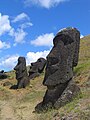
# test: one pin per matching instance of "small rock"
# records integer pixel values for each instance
(7, 83)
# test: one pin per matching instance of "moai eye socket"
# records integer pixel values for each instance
(39, 60)
(66, 39)
(52, 60)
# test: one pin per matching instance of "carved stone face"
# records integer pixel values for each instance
(20, 68)
(60, 60)
(38, 66)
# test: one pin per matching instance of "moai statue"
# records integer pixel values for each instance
(3, 75)
(59, 70)
(2, 71)
(21, 73)
(37, 68)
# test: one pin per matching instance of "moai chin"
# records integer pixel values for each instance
(21, 73)
(59, 70)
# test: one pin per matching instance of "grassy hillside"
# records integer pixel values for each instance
(19, 104)
(83, 69)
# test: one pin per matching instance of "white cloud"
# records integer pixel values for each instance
(81, 36)
(9, 62)
(43, 40)
(19, 35)
(4, 45)
(43, 3)
(4, 24)
(11, 32)
(20, 17)
(25, 25)
(32, 56)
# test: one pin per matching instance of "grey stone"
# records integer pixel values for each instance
(59, 70)
(21, 74)
(3, 75)
(37, 68)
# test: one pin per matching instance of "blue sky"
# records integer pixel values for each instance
(27, 27)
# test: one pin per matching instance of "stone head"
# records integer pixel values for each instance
(38, 66)
(20, 67)
(63, 57)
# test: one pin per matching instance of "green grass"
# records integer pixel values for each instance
(33, 96)
(4, 94)
(82, 67)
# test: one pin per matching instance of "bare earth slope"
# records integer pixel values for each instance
(19, 104)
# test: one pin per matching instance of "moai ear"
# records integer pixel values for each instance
(24, 64)
(42, 63)
(76, 53)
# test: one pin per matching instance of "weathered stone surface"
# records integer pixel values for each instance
(3, 75)
(36, 68)
(59, 70)
(68, 94)
(21, 73)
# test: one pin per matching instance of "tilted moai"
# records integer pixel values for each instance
(37, 68)
(61, 60)
(21, 73)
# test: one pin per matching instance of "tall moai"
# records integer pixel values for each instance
(61, 60)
